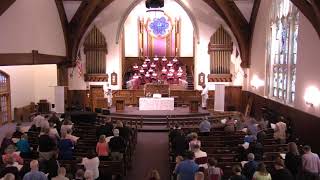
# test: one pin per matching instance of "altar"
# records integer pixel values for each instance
(164, 103)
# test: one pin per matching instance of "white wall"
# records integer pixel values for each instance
(31, 83)
(32, 25)
(208, 22)
(307, 61)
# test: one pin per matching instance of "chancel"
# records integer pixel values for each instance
(159, 89)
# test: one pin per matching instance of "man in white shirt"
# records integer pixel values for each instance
(204, 95)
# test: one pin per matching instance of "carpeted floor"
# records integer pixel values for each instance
(151, 152)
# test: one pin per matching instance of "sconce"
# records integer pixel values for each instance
(312, 96)
(256, 82)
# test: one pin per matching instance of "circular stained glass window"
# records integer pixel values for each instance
(159, 27)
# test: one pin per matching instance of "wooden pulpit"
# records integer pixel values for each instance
(120, 103)
(193, 104)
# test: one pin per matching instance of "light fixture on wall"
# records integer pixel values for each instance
(312, 96)
(256, 82)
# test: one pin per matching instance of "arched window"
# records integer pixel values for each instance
(5, 110)
(283, 51)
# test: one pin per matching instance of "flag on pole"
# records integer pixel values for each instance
(79, 65)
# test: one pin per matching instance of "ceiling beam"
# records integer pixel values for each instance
(239, 27)
(33, 58)
(5, 4)
(64, 23)
(254, 14)
(89, 13)
(311, 12)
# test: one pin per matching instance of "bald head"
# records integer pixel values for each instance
(34, 165)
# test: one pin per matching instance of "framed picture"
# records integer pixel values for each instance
(201, 79)
(114, 78)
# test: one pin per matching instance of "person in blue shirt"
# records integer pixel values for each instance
(250, 167)
(205, 127)
(24, 147)
(187, 169)
(65, 148)
(35, 174)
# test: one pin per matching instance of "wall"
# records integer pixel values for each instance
(32, 25)
(109, 20)
(307, 61)
(31, 83)
(173, 10)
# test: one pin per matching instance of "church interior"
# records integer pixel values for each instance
(159, 89)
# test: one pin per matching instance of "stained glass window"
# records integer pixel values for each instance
(159, 27)
(283, 50)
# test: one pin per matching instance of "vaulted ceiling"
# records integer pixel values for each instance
(240, 15)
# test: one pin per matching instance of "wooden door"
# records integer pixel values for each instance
(97, 97)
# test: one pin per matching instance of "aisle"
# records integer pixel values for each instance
(151, 152)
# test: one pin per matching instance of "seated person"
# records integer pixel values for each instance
(24, 147)
(65, 148)
(102, 148)
(117, 146)
(201, 157)
(205, 127)
(105, 129)
(10, 168)
(18, 133)
(7, 140)
(91, 163)
(79, 175)
(10, 152)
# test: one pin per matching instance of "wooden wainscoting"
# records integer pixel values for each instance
(305, 125)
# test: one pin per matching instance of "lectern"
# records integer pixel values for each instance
(193, 104)
(120, 103)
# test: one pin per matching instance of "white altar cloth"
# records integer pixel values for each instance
(156, 104)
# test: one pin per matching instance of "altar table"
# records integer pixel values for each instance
(164, 103)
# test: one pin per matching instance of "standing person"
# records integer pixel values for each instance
(102, 148)
(46, 145)
(61, 174)
(214, 172)
(24, 147)
(236, 170)
(187, 169)
(204, 95)
(91, 164)
(293, 159)
(65, 148)
(117, 146)
(250, 167)
(280, 172)
(35, 174)
(280, 131)
(310, 164)
(205, 127)
(261, 173)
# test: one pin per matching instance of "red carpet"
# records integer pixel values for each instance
(151, 152)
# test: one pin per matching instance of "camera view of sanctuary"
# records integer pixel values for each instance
(159, 89)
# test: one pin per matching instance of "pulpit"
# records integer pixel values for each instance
(210, 104)
(120, 103)
(193, 104)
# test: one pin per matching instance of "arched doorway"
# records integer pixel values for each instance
(5, 100)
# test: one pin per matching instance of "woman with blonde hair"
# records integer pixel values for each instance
(102, 148)
(154, 175)
(261, 173)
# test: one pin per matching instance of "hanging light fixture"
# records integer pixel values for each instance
(175, 59)
(164, 59)
(147, 59)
